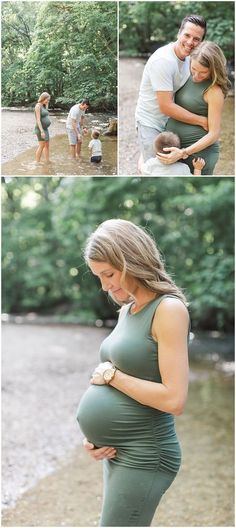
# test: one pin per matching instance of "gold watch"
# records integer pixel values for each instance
(109, 374)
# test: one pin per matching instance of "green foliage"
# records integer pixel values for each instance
(46, 222)
(145, 26)
(70, 51)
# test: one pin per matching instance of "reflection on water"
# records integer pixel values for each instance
(61, 163)
(206, 429)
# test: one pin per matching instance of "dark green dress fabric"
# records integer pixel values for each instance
(45, 122)
(148, 451)
(190, 97)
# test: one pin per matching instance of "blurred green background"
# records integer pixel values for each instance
(145, 26)
(46, 222)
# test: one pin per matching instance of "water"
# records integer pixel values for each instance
(204, 493)
(61, 163)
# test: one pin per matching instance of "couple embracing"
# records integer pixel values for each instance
(182, 91)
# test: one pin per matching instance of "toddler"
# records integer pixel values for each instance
(155, 167)
(95, 147)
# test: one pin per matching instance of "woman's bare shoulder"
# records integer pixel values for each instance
(171, 316)
(171, 305)
(215, 92)
(171, 310)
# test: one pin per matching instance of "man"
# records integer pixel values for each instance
(74, 126)
(165, 72)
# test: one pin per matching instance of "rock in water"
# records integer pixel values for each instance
(112, 128)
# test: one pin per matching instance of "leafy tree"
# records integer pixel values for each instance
(71, 53)
(18, 20)
(145, 26)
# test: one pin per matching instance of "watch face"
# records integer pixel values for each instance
(107, 374)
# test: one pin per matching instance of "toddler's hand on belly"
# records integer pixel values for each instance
(99, 453)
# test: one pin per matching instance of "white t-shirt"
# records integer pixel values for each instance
(163, 72)
(154, 167)
(74, 113)
(96, 147)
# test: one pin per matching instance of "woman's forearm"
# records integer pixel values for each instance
(202, 143)
(149, 393)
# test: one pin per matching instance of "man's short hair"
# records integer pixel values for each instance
(165, 140)
(85, 101)
(198, 20)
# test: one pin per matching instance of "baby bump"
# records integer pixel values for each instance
(109, 417)
(143, 436)
(45, 121)
(188, 134)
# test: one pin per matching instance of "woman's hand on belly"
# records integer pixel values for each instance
(98, 374)
(99, 453)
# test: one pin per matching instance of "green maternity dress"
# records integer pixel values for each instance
(148, 452)
(190, 97)
(45, 122)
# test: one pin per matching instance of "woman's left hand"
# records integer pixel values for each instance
(174, 155)
(97, 376)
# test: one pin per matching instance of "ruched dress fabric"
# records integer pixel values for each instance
(45, 122)
(148, 452)
(190, 97)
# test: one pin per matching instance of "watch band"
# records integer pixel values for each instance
(185, 154)
(113, 369)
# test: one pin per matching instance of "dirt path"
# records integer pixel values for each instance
(130, 73)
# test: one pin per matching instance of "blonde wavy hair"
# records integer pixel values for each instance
(43, 96)
(209, 55)
(131, 250)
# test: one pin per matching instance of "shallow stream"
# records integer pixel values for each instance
(21, 133)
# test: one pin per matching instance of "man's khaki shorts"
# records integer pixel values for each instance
(146, 138)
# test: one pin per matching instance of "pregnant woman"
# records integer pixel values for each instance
(203, 94)
(42, 124)
(127, 414)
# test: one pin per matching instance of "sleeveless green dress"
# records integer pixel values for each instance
(190, 97)
(148, 452)
(45, 122)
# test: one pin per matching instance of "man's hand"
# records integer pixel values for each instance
(203, 122)
(99, 453)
